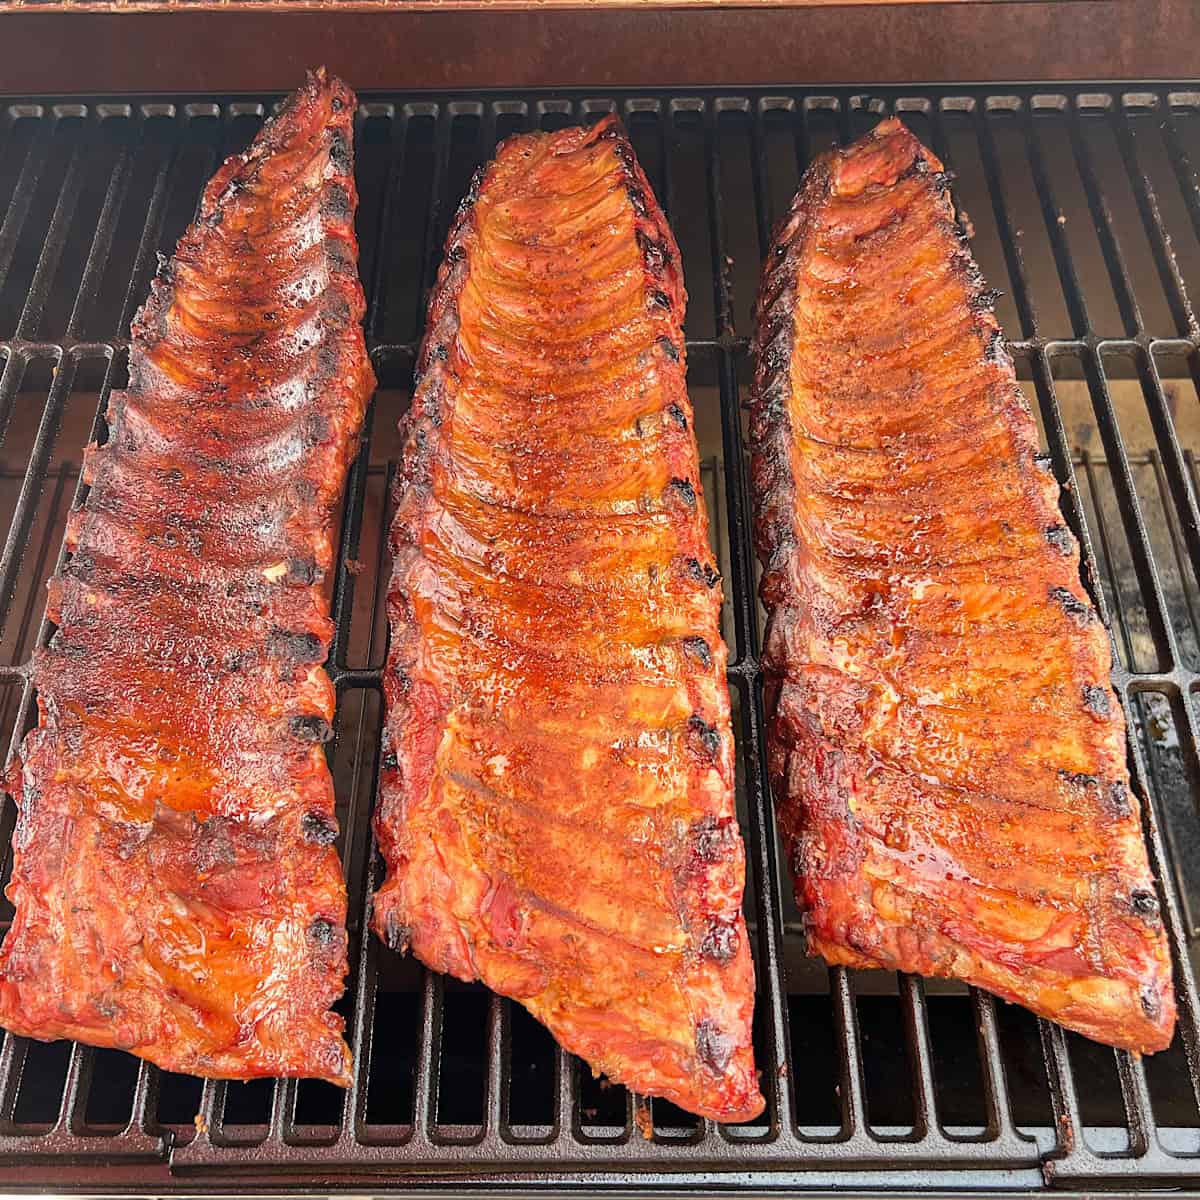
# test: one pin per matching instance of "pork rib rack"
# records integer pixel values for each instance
(177, 890)
(556, 806)
(945, 748)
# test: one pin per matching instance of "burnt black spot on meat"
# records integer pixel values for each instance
(685, 491)
(335, 202)
(703, 573)
(984, 300)
(706, 736)
(403, 680)
(669, 348)
(216, 217)
(318, 828)
(1075, 608)
(653, 253)
(713, 1048)
(389, 761)
(1077, 779)
(1112, 795)
(322, 931)
(637, 201)
(303, 571)
(997, 351)
(396, 934)
(698, 649)
(336, 104)
(298, 647)
(338, 254)
(335, 309)
(1097, 699)
(1060, 537)
(339, 153)
(659, 299)
(720, 941)
(713, 838)
(678, 416)
(777, 354)
(456, 253)
(1151, 1005)
(475, 184)
(1145, 904)
(214, 845)
(311, 728)
(1115, 800)
(327, 361)
(303, 490)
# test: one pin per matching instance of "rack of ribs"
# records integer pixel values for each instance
(945, 749)
(557, 803)
(177, 890)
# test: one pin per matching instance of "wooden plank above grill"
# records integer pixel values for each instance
(81, 47)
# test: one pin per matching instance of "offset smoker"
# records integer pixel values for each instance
(870, 1082)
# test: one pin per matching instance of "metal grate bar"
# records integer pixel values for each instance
(21, 201)
(852, 1084)
(1013, 253)
(1114, 259)
(714, 159)
(52, 247)
(1152, 221)
(1055, 221)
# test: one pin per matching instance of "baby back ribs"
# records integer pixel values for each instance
(557, 806)
(945, 748)
(177, 890)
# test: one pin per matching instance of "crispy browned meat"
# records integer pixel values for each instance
(177, 891)
(557, 795)
(945, 749)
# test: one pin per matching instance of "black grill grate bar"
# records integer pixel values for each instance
(1064, 1098)
(21, 202)
(1137, 533)
(374, 267)
(853, 1086)
(56, 236)
(1181, 164)
(1186, 995)
(1054, 218)
(1010, 237)
(1097, 200)
(428, 1061)
(102, 241)
(1139, 1110)
(920, 1055)
(995, 1078)
(768, 882)
(1176, 482)
(1122, 623)
(31, 486)
(1165, 259)
(495, 1068)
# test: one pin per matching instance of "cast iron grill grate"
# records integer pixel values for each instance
(1086, 207)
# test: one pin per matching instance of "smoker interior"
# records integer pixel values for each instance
(1086, 212)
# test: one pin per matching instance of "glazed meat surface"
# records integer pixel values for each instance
(177, 890)
(557, 810)
(947, 754)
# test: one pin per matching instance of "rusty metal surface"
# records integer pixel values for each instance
(44, 52)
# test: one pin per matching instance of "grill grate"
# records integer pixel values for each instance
(1086, 208)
